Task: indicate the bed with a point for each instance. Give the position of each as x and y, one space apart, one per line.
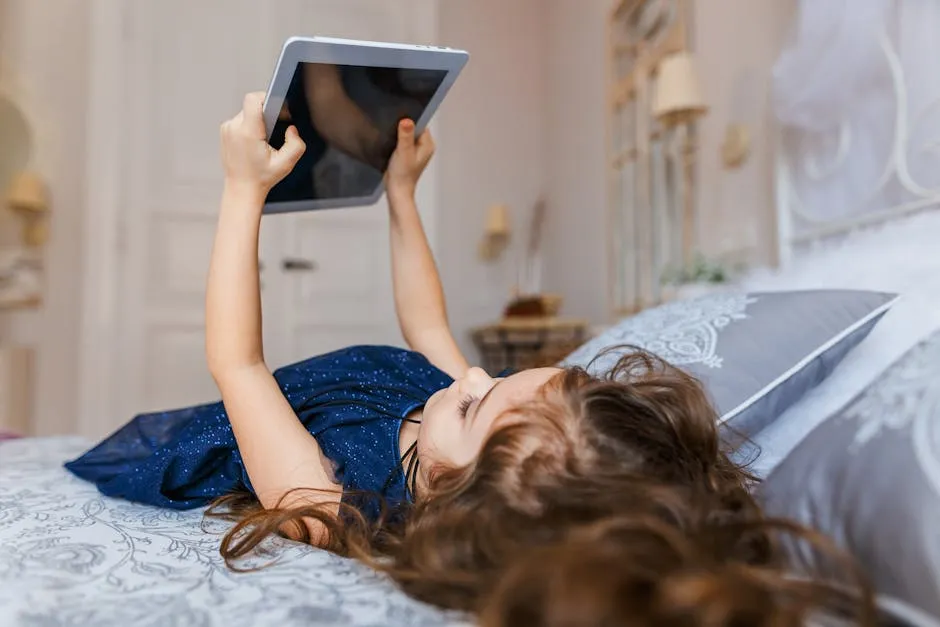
71 557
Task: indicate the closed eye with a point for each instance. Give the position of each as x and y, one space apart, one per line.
465 404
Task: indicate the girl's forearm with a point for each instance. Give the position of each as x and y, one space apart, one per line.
419 296
233 294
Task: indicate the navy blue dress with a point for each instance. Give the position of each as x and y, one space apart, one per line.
353 401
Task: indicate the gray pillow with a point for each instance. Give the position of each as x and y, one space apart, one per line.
869 477
756 353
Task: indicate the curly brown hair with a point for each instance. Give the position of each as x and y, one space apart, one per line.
641 571
641 442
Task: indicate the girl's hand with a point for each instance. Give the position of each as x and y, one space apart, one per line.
247 157
409 160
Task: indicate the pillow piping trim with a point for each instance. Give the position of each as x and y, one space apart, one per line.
905 611
812 356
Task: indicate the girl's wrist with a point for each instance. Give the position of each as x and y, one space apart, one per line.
400 193
242 204
247 190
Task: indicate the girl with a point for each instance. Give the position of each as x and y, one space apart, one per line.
409 460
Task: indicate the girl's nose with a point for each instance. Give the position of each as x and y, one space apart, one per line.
477 375
476 382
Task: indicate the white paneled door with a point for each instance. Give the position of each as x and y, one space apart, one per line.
325 275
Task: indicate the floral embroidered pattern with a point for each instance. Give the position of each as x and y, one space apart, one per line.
681 332
69 556
906 397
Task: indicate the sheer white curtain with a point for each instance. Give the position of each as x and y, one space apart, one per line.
857 93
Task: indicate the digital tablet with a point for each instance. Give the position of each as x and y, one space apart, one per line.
346 99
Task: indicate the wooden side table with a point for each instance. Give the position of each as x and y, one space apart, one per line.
521 343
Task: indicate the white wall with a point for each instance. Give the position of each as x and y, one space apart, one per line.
493 147
43 48
576 266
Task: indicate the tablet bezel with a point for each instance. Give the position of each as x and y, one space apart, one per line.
353 52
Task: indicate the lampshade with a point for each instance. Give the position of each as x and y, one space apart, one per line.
678 96
27 192
497 221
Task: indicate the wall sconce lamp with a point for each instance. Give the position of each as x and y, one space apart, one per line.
736 147
678 97
27 198
21 269
496 233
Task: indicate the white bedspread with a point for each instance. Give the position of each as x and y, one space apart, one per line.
71 557
901 257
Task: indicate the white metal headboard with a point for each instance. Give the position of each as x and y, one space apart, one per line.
798 226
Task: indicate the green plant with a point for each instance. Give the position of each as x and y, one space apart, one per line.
701 270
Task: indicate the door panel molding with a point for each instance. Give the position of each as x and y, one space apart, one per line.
103 242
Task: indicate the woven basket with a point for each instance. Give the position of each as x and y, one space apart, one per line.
519 345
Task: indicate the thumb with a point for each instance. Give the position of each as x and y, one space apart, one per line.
290 153
406 135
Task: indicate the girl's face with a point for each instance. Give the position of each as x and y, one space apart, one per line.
457 420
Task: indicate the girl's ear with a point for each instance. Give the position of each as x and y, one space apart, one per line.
434 472
439 472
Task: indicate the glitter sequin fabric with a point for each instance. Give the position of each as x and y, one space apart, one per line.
353 401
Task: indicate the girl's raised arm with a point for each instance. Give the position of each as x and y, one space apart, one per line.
281 457
419 296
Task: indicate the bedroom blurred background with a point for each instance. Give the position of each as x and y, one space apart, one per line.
645 130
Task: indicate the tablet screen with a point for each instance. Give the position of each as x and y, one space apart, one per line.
348 116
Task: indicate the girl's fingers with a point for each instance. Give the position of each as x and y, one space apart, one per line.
253 113
290 153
